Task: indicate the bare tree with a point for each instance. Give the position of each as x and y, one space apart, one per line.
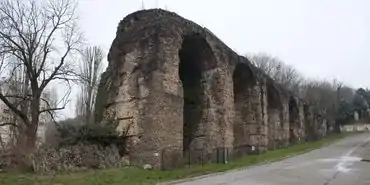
284 74
268 64
42 36
90 70
324 96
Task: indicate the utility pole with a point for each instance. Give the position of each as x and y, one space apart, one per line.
336 124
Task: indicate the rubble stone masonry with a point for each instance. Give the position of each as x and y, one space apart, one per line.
173 86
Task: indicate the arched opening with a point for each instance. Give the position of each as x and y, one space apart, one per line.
293 120
307 122
275 127
196 57
243 83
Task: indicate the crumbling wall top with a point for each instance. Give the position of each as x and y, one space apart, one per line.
141 25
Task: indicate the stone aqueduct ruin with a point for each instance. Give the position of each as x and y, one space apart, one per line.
172 84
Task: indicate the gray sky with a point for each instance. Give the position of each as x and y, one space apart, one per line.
322 39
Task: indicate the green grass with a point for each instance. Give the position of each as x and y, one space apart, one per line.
137 176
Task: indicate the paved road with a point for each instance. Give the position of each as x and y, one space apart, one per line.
341 163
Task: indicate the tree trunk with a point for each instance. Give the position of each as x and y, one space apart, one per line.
88 105
27 138
32 128
25 146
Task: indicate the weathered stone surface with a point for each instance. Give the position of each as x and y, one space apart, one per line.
180 92
294 122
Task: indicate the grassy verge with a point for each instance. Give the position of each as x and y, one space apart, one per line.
137 176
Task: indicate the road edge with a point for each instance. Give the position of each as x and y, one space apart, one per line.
246 167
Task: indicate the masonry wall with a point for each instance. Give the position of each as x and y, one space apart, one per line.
275 116
286 122
176 91
301 119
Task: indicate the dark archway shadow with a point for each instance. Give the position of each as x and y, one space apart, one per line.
275 118
307 122
293 120
196 57
243 83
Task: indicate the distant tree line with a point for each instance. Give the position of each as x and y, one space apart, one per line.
332 99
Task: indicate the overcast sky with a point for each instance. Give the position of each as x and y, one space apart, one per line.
322 39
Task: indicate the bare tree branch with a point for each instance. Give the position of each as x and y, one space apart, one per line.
36 34
15 109
51 109
284 74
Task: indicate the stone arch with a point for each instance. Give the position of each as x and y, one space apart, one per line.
294 124
307 121
275 118
244 114
196 58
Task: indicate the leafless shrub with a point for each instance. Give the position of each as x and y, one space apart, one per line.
75 158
